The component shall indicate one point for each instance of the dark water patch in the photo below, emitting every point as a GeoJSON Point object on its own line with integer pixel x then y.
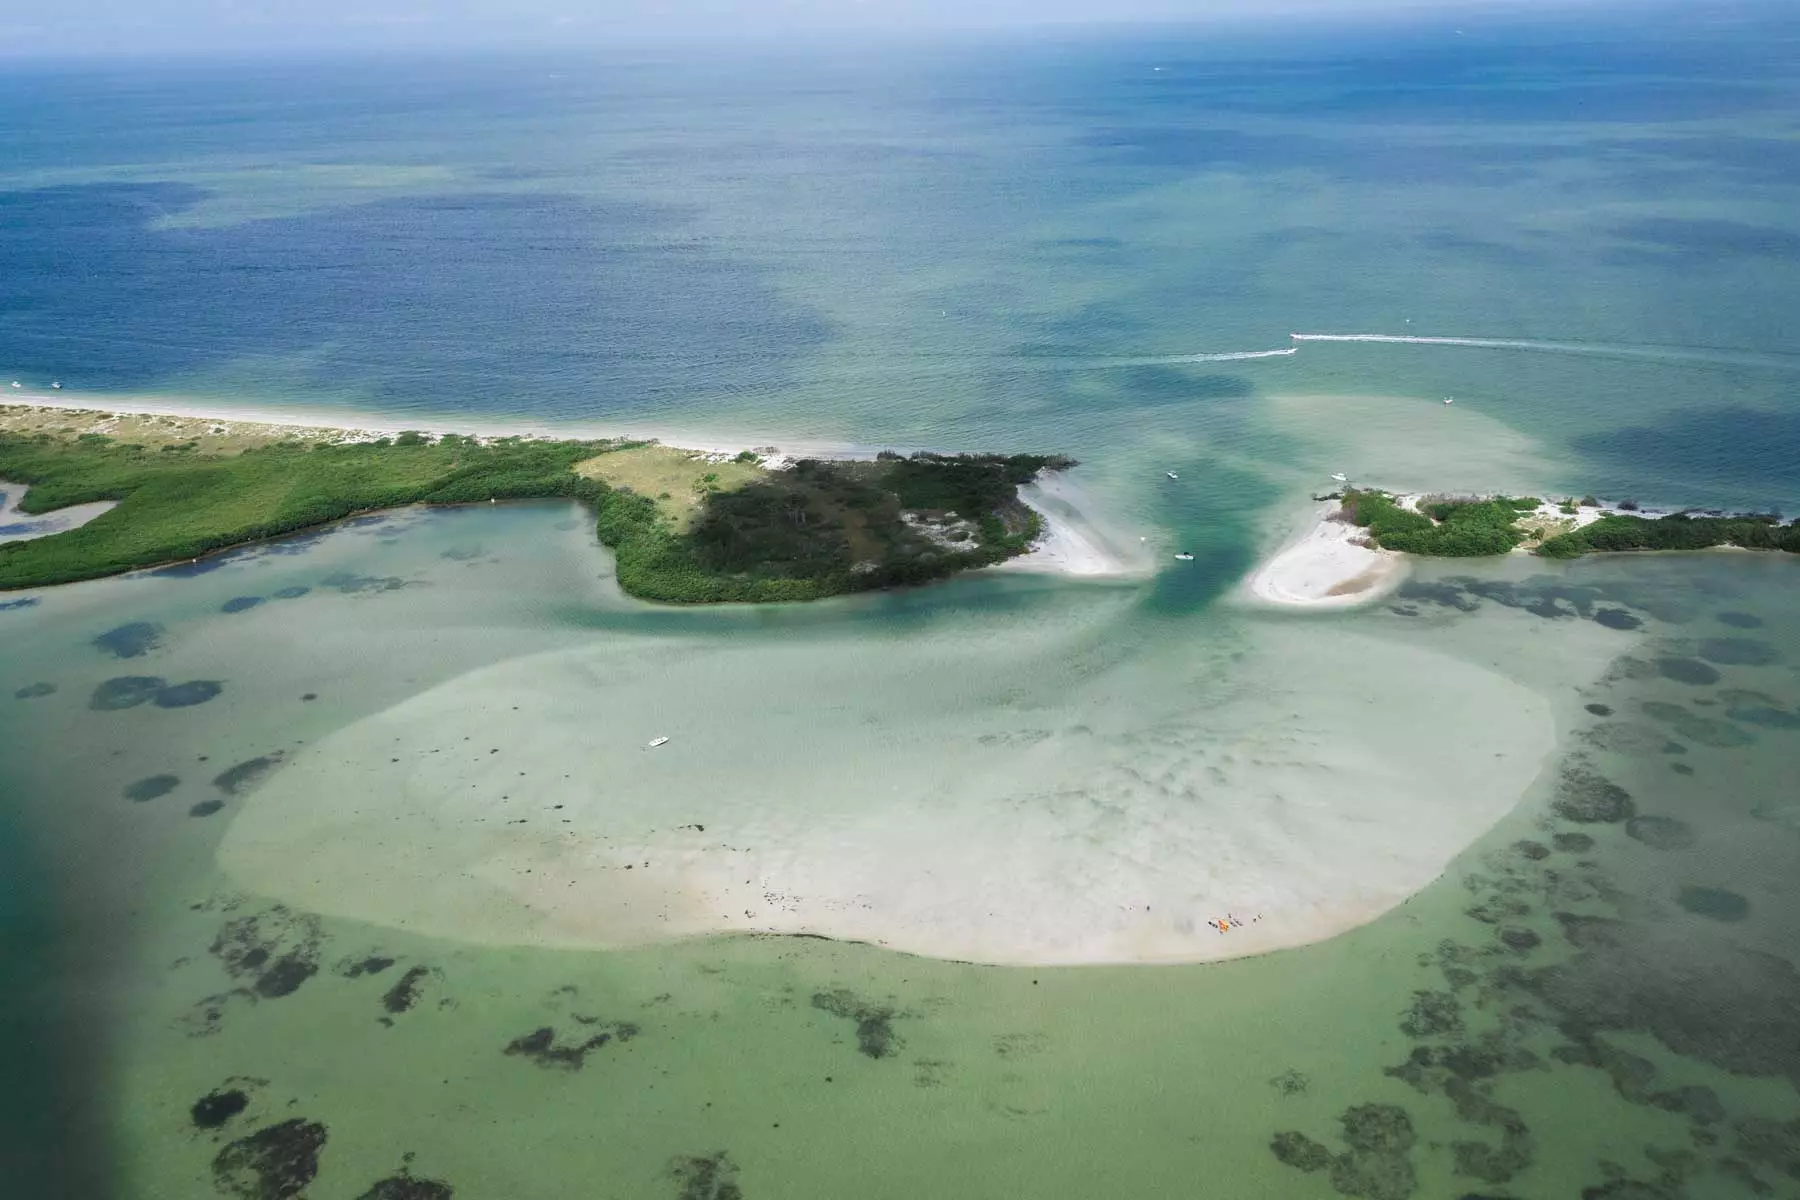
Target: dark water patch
{"type": "Point", "coordinates": [151, 787]}
{"type": "Point", "coordinates": [273, 1163]}
{"type": "Point", "coordinates": [1528, 849]}
{"type": "Point", "coordinates": [356, 968]}
{"type": "Point", "coordinates": [285, 975]}
{"type": "Point", "coordinates": [405, 992]}
{"type": "Point", "coordinates": [35, 691]}
{"type": "Point", "coordinates": [205, 808]}
{"type": "Point", "coordinates": [23, 602]}
{"type": "Point", "coordinates": [706, 1177]}
{"type": "Point", "coordinates": [1443, 593]}
{"type": "Point", "coordinates": [238, 604]}
{"type": "Point", "coordinates": [289, 593]}
{"type": "Point", "coordinates": [1625, 737]}
{"type": "Point", "coordinates": [206, 1016]}
{"type": "Point", "coordinates": [187, 695]}
{"type": "Point", "coordinates": [1681, 768]}
{"type": "Point", "coordinates": [1737, 652]}
{"type": "Point", "coordinates": [277, 948]}
{"type": "Point", "coordinates": [1663, 710]}
{"type": "Point", "coordinates": [1687, 670]}
{"type": "Point", "coordinates": [1433, 1014]}
{"type": "Point", "coordinates": [1291, 1083]}
{"type": "Point", "coordinates": [1377, 1163]}
{"type": "Point", "coordinates": [310, 696]}
{"type": "Point", "coordinates": [541, 1047]}
{"type": "Point", "coordinates": [1520, 940]}
{"type": "Point", "coordinates": [1709, 731]}
{"type": "Point", "coordinates": [1766, 718]}
{"type": "Point", "coordinates": [1661, 833]}
{"type": "Point", "coordinates": [1772, 1144]}
{"type": "Point", "coordinates": [217, 1107]}
{"type": "Point", "coordinates": [1673, 748]}
{"type": "Point", "coordinates": [131, 641]}
{"type": "Point", "coordinates": [1715, 904]}
{"type": "Point", "coordinates": [247, 774]}
{"type": "Point", "coordinates": [1617, 618]}
{"type": "Point", "coordinates": [875, 1036]}
{"type": "Point", "coordinates": [1599, 710]}
{"type": "Point", "coordinates": [406, 1186]}
{"type": "Point", "coordinates": [1739, 620]}
{"type": "Point", "coordinates": [193, 569]}
{"type": "Point", "coordinates": [126, 691]}
{"type": "Point", "coordinates": [1701, 997]}
{"type": "Point", "coordinates": [465, 553]}
{"type": "Point", "coordinates": [350, 584]}
{"type": "Point", "coordinates": [1573, 843]}
{"type": "Point", "coordinates": [1587, 798]}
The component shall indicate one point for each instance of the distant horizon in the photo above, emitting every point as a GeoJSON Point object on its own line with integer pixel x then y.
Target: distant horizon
{"type": "Point", "coordinates": [752, 24]}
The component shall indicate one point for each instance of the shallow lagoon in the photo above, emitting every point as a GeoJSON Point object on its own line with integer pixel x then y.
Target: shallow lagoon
{"type": "Point", "coordinates": [1624, 970]}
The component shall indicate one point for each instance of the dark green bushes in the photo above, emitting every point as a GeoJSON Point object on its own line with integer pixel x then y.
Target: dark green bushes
{"type": "Point", "coordinates": [817, 530]}
{"type": "Point", "coordinates": [1679, 531]}
{"type": "Point", "coordinates": [1446, 529]}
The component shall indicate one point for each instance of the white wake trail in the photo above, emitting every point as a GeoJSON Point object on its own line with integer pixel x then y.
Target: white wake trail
{"type": "Point", "coordinates": [1695, 354]}
{"type": "Point", "coordinates": [1175, 360]}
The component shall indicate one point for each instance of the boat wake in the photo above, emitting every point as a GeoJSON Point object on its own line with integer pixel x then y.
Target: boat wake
{"type": "Point", "coordinates": [1695, 354]}
{"type": "Point", "coordinates": [1175, 360]}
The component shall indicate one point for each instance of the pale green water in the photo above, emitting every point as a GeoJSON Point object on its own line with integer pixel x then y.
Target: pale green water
{"type": "Point", "coordinates": [996, 1081]}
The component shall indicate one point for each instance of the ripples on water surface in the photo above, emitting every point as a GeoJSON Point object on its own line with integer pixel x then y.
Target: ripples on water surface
{"type": "Point", "coordinates": [1035, 248]}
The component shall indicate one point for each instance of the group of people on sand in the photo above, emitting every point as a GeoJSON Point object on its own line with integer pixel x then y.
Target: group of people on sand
{"type": "Point", "coordinates": [1227, 923]}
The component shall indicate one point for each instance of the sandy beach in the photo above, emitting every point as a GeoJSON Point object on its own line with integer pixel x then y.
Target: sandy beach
{"type": "Point", "coordinates": [1326, 568]}
{"type": "Point", "coordinates": [1074, 541]}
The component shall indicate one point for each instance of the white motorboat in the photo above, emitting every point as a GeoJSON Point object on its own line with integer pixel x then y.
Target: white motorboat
{"type": "Point", "coordinates": [1170, 474]}
{"type": "Point", "coordinates": [655, 742]}
{"type": "Point", "coordinates": [1184, 556]}
{"type": "Point", "coordinates": [1341, 477]}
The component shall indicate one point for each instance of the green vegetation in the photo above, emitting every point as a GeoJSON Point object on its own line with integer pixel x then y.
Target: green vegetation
{"type": "Point", "coordinates": [1679, 531]}
{"type": "Point", "coordinates": [818, 529]}
{"type": "Point", "coordinates": [1446, 529]}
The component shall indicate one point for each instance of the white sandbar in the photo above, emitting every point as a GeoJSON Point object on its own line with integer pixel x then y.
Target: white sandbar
{"type": "Point", "coordinates": [1326, 568]}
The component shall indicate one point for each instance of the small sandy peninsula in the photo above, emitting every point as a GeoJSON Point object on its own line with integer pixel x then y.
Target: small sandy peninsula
{"type": "Point", "coordinates": [1327, 566]}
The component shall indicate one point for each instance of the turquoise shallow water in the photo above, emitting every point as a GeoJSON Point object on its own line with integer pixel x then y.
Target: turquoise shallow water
{"type": "Point", "coordinates": [965, 247]}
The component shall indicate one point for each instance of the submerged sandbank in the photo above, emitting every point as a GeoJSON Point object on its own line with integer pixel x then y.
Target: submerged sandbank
{"type": "Point", "coordinates": [523, 804]}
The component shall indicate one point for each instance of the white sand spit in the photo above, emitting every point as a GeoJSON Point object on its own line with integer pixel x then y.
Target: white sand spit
{"type": "Point", "coordinates": [1075, 541]}
{"type": "Point", "coordinates": [1325, 568]}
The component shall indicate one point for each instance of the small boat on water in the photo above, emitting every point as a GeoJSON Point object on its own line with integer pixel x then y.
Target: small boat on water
{"type": "Point", "coordinates": [1170, 474]}
{"type": "Point", "coordinates": [16, 383]}
{"type": "Point", "coordinates": [57, 384]}
{"type": "Point", "coordinates": [655, 742]}
{"type": "Point", "coordinates": [1449, 399]}
{"type": "Point", "coordinates": [1184, 556]}
{"type": "Point", "coordinates": [1341, 477]}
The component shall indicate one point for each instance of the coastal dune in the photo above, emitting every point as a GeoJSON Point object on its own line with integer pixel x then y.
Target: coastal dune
{"type": "Point", "coordinates": [1036, 810]}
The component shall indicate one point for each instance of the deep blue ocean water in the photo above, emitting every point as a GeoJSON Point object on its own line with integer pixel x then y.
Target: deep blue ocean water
{"type": "Point", "coordinates": [942, 244]}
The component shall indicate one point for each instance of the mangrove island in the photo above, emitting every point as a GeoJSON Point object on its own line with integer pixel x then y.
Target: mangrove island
{"type": "Point", "coordinates": [686, 526]}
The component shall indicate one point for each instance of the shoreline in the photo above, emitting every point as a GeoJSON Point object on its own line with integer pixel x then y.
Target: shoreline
{"type": "Point", "coordinates": [1322, 567]}
{"type": "Point", "coordinates": [1071, 542]}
